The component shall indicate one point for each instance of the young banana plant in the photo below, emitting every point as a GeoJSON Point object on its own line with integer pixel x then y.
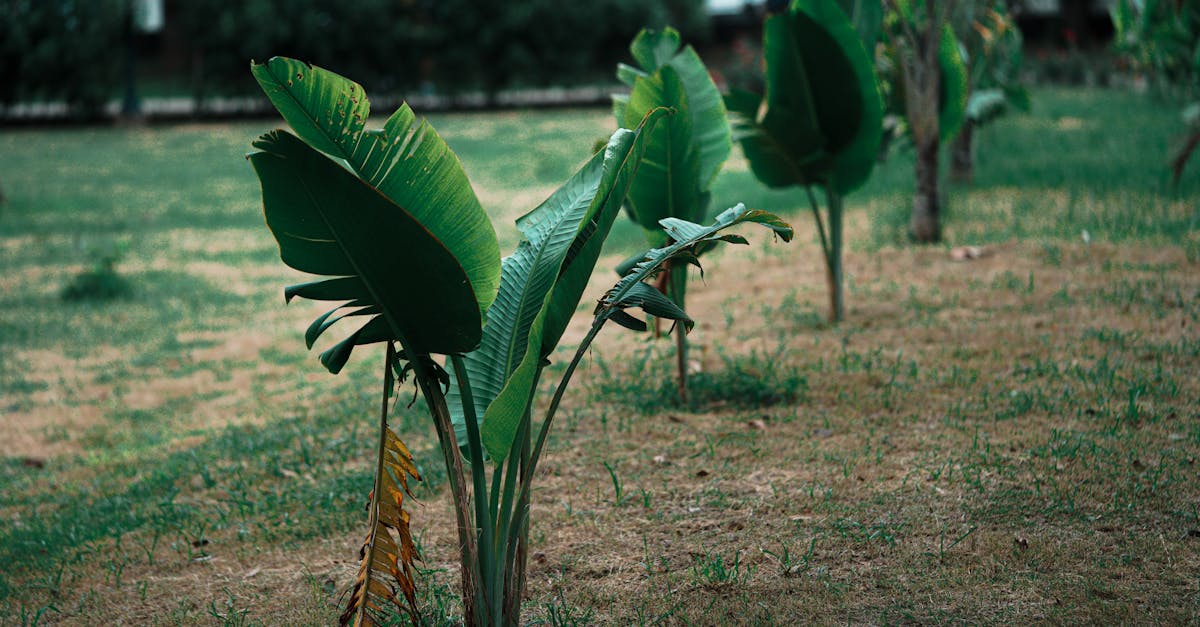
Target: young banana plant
{"type": "Point", "coordinates": [819, 122]}
{"type": "Point", "coordinates": [389, 219]}
{"type": "Point", "coordinates": [683, 154]}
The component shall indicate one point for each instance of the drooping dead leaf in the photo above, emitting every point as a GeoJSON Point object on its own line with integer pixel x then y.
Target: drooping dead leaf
{"type": "Point", "coordinates": [388, 551]}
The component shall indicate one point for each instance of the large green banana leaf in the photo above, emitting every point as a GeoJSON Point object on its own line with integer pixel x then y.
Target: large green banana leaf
{"type": "Point", "coordinates": [409, 165]}
{"type": "Point", "coordinates": [687, 150]}
{"type": "Point", "coordinates": [820, 121]}
{"type": "Point", "coordinates": [329, 222]}
{"type": "Point", "coordinates": [668, 182]}
{"type": "Point", "coordinates": [406, 161]}
{"type": "Point", "coordinates": [541, 284]}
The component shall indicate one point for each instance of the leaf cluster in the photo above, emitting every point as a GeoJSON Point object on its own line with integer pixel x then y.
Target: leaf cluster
{"type": "Point", "coordinates": [389, 221]}
{"type": "Point", "coordinates": [687, 150]}
{"type": "Point", "coordinates": [1161, 38]}
{"type": "Point", "coordinates": [819, 121]}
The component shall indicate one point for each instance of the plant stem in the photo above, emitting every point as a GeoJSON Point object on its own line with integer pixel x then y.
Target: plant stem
{"type": "Point", "coordinates": [516, 531]}
{"type": "Point", "coordinates": [380, 467]}
{"type": "Point", "coordinates": [484, 524]}
{"type": "Point", "coordinates": [816, 209]}
{"type": "Point", "coordinates": [544, 431]}
{"type": "Point", "coordinates": [472, 593]}
{"type": "Point", "coordinates": [676, 290]}
{"type": "Point", "coordinates": [833, 266]}
{"type": "Point", "coordinates": [831, 247]}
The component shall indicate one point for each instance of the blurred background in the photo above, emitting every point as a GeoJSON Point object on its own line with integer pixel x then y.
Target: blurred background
{"type": "Point", "coordinates": [83, 60]}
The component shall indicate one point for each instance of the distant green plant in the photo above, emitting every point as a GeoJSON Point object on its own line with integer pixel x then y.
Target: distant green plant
{"type": "Point", "coordinates": [405, 246]}
{"type": "Point", "coordinates": [819, 122]}
{"type": "Point", "coordinates": [1162, 39]}
{"type": "Point", "coordinates": [684, 153]}
{"type": "Point", "coordinates": [101, 281]}
{"type": "Point", "coordinates": [992, 45]}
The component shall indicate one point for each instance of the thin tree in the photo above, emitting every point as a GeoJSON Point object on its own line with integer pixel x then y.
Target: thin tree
{"type": "Point", "coordinates": [922, 42]}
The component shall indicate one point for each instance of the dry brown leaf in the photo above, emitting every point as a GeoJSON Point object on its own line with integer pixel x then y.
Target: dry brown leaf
{"type": "Point", "coordinates": [388, 551]}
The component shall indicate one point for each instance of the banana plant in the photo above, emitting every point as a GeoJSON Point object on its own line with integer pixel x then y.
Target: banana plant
{"type": "Point", "coordinates": [928, 81]}
{"type": "Point", "coordinates": [684, 152]}
{"type": "Point", "coordinates": [820, 121]}
{"type": "Point", "coordinates": [389, 220]}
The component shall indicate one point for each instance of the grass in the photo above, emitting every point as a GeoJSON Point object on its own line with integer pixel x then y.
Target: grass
{"type": "Point", "coordinates": [1010, 439]}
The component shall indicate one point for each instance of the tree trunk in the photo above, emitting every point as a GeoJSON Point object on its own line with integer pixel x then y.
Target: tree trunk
{"type": "Point", "coordinates": [925, 225]}
{"type": "Point", "coordinates": [923, 76]}
{"type": "Point", "coordinates": [962, 154]}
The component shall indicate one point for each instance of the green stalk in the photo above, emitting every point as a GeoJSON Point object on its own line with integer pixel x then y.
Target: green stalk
{"type": "Point", "coordinates": [544, 432]}
{"type": "Point", "coordinates": [518, 532]}
{"type": "Point", "coordinates": [514, 561]}
{"type": "Point", "coordinates": [831, 247]}
{"type": "Point", "coordinates": [494, 495]}
{"type": "Point", "coordinates": [522, 553]}
{"type": "Point", "coordinates": [676, 291]}
{"type": "Point", "coordinates": [816, 209]}
{"type": "Point", "coordinates": [484, 524]}
{"type": "Point", "coordinates": [837, 306]}
{"type": "Point", "coordinates": [514, 476]}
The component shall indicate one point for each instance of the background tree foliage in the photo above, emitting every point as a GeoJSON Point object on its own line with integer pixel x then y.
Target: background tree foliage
{"type": "Point", "coordinates": [73, 50]}
{"type": "Point", "coordinates": [1162, 39]}
{"type": "Point", "coordinates": [65, 50]}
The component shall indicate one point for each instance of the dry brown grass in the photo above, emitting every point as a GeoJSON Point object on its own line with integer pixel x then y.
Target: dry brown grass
{"type": "Point", "coordinates": [882, 471]}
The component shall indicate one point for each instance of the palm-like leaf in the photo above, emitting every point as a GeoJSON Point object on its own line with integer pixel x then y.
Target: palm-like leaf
{"type": "Point", "coordinates": [409, 186]}
{"type": "Point", "coordinates": [328, 222]}
{"type": "Point", "coordinates": [686, 239]}
{"type": "Point", "coordinates": [953, 94]}
{"type": "Point", "coordinates": [541, 285]}
{"type": "Point", "coordinates": [687, 150]}
{"type": "Point", "coordinates": [820, 121]}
